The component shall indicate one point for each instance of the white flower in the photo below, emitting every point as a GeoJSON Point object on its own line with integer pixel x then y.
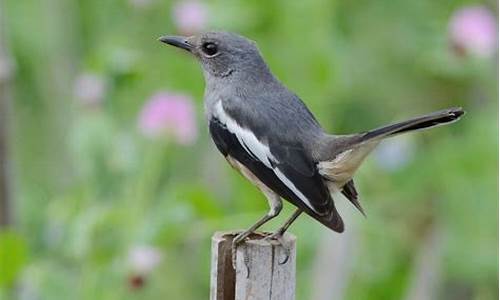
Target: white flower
{"type": "Point", "coordinates": [89, 89]}
{"type": "Point", "coordinates": [395, 153]}
{"type": "Point", "coordinates": [143, 259]}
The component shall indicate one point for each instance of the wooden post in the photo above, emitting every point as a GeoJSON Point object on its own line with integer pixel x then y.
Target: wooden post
{"type": "Point", "coordinates": [260, 270]}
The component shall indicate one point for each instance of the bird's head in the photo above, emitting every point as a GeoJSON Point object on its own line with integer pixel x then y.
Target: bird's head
{"type": "Point", "coordinates": [221, 53]}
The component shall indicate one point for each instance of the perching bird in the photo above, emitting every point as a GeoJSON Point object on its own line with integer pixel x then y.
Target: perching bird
{"type": "Point", "coordinates": [267, 133]}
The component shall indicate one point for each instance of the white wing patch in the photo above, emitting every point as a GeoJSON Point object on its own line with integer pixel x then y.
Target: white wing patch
{"type": "Point", "coordinates": [293, 188]}
{"type": "Point", "coordinates": [257, 149]}
{"type": "Point", "coordinates": [246, 138]}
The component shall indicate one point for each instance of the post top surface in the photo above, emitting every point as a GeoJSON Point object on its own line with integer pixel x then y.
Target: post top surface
{"type": "Point", "coordinates": [256, 238]}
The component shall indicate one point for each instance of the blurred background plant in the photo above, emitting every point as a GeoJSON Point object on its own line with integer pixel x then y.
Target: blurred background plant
{"type": "Point", "coordinates": [111, 188]}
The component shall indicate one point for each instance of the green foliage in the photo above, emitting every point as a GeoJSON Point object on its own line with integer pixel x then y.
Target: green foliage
{"type": "Point", "coordinates": [89, 187]}
{"type": "Point", "coordinates": [13, 256]}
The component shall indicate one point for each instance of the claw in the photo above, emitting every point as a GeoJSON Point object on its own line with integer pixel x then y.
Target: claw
{"type": "Point", "coordinates": [287, 255]}
{"type": "Point", "coordinates": [278, 236]}
{"type": "Point", "coordinates": [233, 253]}
{"type": "Point", "coordinates": [234, 249]}
{"type": "Point", "coordinates": [234, 245]}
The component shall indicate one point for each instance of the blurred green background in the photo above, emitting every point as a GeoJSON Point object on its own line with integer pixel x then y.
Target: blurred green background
{"type": "Point", "coordinates": [101, 206]}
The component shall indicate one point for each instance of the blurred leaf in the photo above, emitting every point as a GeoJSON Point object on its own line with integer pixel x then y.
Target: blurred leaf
{"type": "Point", "coordinates": [13, 256]}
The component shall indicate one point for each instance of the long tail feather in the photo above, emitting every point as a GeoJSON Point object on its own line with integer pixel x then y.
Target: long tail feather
{"type": "Point", "coordinates": [431, 120]}
{"type": "Point", "coordinates": [342, 155]}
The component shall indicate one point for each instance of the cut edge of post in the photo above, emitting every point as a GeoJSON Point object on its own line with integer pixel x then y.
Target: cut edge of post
{"type": "Point", "coordinates": [222, 274]}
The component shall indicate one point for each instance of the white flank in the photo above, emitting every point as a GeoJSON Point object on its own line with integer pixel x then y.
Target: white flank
{"type": "Point", "coordinates": [256, 148]}
{"type": "Point", "coordinates": [342, 168]}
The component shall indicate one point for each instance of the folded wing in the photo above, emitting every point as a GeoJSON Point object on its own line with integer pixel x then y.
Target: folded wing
{"type": "Point", "coordinates": [286, 169]}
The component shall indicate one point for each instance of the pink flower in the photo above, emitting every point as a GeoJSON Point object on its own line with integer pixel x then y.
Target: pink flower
{"type": "Point", "coordinates": [473, 30]}
{"type": "Point", "coordinates": [143, 259]}
{"type": "Point", "coordinates": [168, 114]}
{"type": "Point", "coordinates": [89, 89]}
{"type": "Point", "coordinates": [190, 16]}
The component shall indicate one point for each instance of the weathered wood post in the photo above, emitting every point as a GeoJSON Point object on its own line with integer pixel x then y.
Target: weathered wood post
{"type": "Point", "coordinates": [261, 272]}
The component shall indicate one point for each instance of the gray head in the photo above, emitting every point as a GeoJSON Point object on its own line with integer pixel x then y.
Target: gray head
{"type": "Point", "coordinates": [222, 54]}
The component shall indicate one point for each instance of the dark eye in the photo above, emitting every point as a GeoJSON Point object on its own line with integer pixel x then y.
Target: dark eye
{"type": "Point", "coordinates": [209, 49]}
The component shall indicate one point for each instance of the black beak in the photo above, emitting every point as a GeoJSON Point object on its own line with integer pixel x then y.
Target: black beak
{"type": "Point", "coordinates": [177, 41]}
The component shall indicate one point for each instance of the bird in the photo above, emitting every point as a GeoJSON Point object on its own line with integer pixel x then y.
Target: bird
{"type": "Point", "coordinates": [267, 133]}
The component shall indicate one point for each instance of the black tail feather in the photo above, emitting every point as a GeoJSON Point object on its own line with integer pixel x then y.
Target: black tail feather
{"type": "Point", "coordinates": [423, 122]}
{"type": "Point", "coordinates": [349, 191]}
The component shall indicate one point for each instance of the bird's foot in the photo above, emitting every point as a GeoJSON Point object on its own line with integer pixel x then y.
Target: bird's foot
{"type": "Point", "coordinates": [234, 245]}
{"type": "Point", "coordinates": [278, 236]}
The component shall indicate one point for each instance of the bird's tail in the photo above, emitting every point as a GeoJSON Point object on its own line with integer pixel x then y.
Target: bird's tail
{"type": "Point", "coordinates": [344, 154]}
{"type": "Point", "coordinates": [427, 121]}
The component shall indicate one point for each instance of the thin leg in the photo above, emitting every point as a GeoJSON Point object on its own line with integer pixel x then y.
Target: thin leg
{"type": "Point", "coordinates": [278, 234]}
{"type": "Point", "coordinates": [240, 237]}
{"type": "Point", "coordinates": [275, 208]}
{"type": "Point", "coordinates": [287, 224]}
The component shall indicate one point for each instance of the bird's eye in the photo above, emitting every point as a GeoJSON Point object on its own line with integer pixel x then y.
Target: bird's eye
{"type": "Point", "coordinates": [209, 49]}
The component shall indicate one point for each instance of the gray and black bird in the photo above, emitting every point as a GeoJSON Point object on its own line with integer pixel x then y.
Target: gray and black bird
{"type": "Point", "coordinates": [268, 134]}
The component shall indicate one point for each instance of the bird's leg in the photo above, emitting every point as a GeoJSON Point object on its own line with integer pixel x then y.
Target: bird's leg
{"type": "Point", "coordinates": [286, 225]}
{"type": "Point", "coordinates": [278, 234]}
{"type": "Point", "coordinates": [275, 208]}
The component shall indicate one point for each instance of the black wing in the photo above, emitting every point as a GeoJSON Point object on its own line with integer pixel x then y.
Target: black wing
{"type": "Point", "coordinates": [292, 175]}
